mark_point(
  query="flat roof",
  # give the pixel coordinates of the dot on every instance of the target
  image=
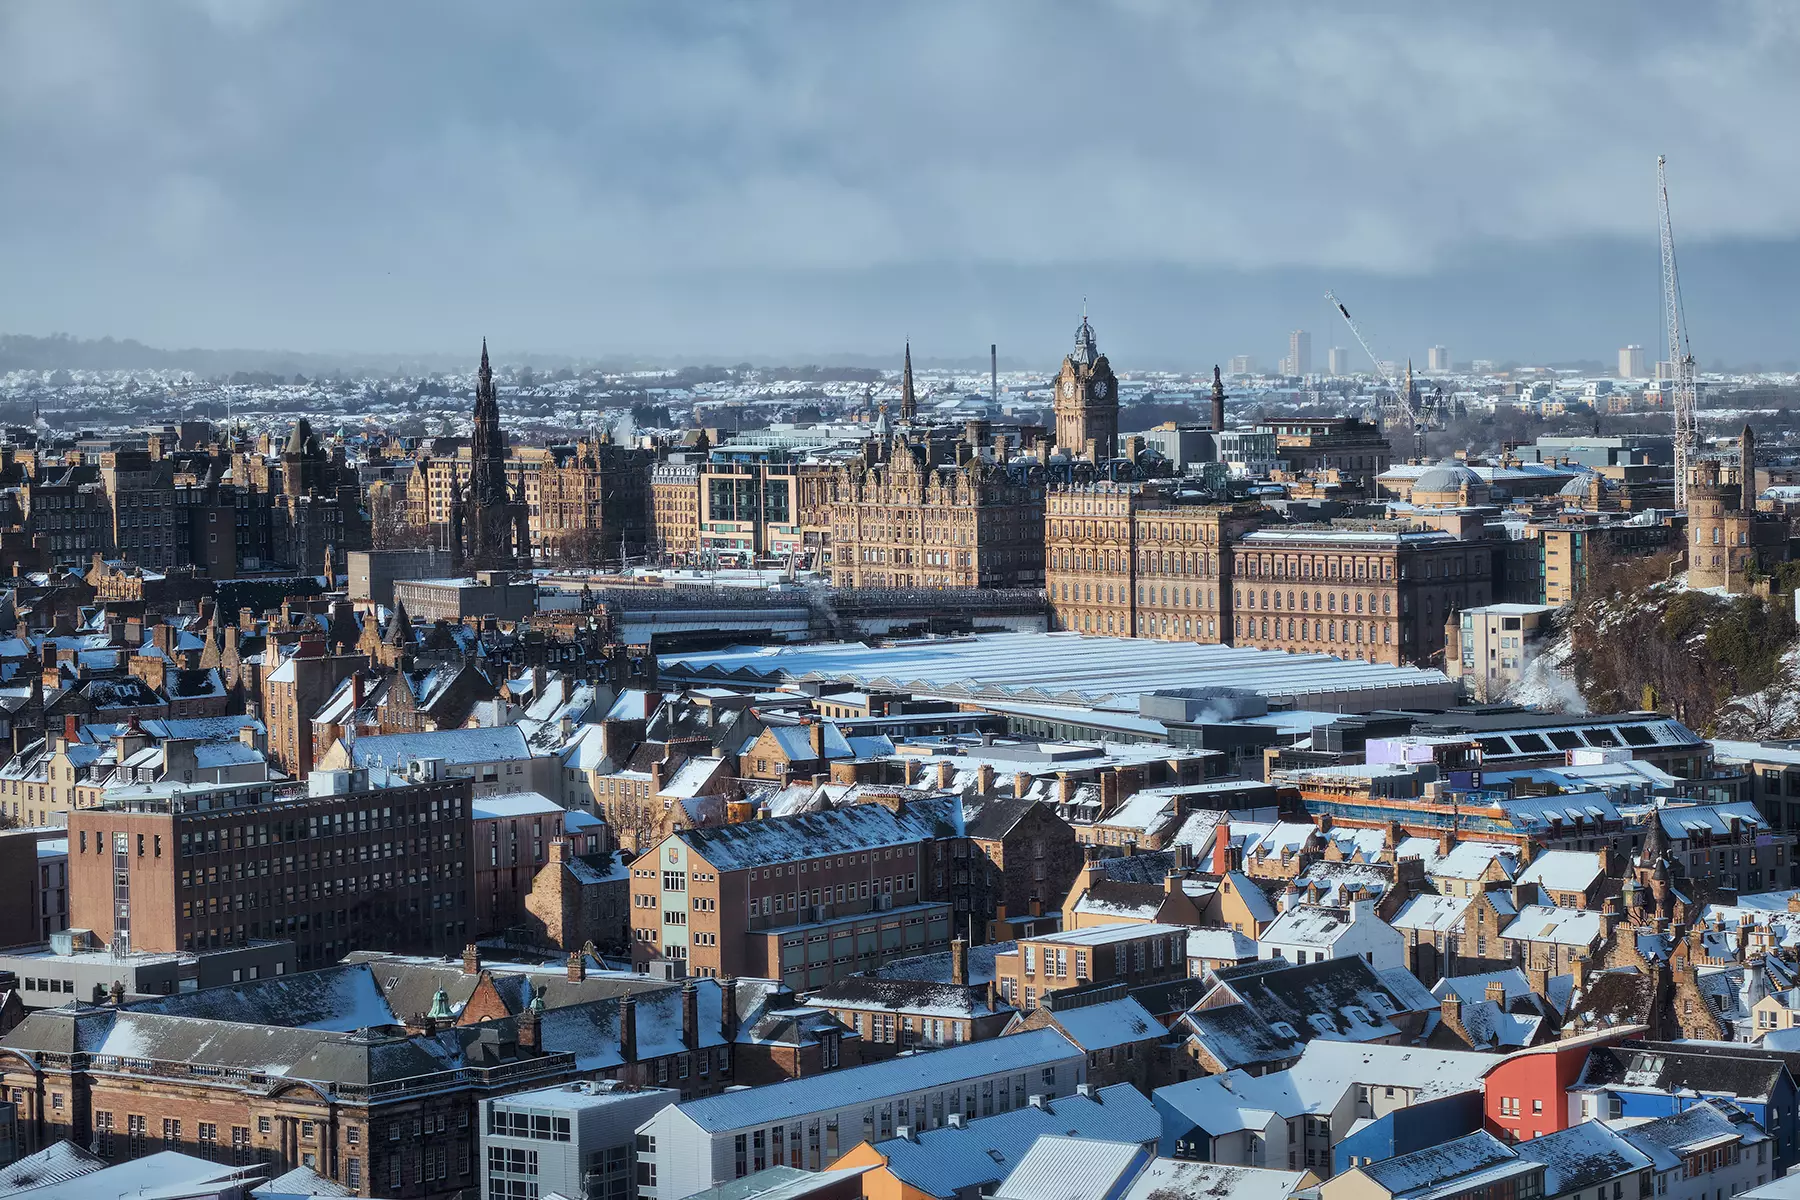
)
(1068, 668)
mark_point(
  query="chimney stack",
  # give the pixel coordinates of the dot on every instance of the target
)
(690, 1015)
(530, 1025)
(817, 733)
(946, 774)
(984, 779)
(1496, 992)
(471, 959)
(577, 967)
(959, 962)
(628, 1028)
(728, 1013)
(1021, 784)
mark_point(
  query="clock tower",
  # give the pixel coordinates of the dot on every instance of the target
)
(1087, 401)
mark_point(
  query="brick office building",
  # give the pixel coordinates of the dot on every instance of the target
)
(802, 899)
(337, 866)
(1132, 951)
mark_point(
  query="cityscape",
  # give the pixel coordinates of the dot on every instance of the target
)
(745, 672)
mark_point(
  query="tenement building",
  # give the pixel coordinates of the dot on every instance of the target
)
(1380, 592)
(1128, 558)
(593, 502)
(335, 865)
(910, 521)
(675, 511)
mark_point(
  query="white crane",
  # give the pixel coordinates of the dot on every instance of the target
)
(1687, 425)
(1400, 410)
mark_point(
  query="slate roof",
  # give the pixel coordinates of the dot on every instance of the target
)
(1108, 1024)
(1582, 1156)
(1305, 994)
(1138, 901)
(1423, 1170)
(943, 1162)
(1662, 1067)
(821, 834)
(935, 968)
(56, 1163)
(993, 817)
(1178, 1179)
(903, 995)
(1667, 1138)
(457, 747)
(1237, 1037)
(341, 998)
(1146, 866)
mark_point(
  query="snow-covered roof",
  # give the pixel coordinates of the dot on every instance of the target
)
(1108, 1024)
(949, 1161)
(1307, 925)
(1064, 668)
(1561, 926)
(858, 828)
(1428, 913)
(1564, 870)
(456, 747)
(514, 804)
(1171, 1177)
(842, 1088)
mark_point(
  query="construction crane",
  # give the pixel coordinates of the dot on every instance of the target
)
(1401, 408)
(1687, 425)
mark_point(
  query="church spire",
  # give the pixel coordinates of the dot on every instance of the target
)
(909, 402)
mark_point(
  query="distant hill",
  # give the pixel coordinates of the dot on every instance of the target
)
(24, 352)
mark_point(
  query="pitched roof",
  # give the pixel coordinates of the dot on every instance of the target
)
(1059, 1167)
(896, 1076)
(818, 834)
(457, 747)
(946, 1161)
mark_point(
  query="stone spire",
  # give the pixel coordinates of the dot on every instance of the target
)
(909, 401)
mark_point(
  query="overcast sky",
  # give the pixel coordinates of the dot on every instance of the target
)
(775, 180)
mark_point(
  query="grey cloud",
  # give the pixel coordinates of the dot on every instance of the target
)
(341, 174)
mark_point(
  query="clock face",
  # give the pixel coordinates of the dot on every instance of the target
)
(1068, 387)
(1100, 390)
